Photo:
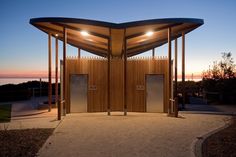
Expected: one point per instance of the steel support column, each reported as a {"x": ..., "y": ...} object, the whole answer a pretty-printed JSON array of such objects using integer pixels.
[
  {"x": 64, "y": 69},
  {"x": 49, "y": 73},
  {"x": 56, "y": 81},
  {"x": 108, "y": 75},
  {"x": 125, "y": 74},
  {"x": 176, "y": 66},
  {"x": 183, "y": 68},
  {"x": 78, "y": 52},
  {"x": 169, "y": 71},
  {"x": 153, "y": 53}
]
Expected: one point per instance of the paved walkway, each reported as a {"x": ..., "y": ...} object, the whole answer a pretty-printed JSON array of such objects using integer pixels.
[
  {"x": 138, "y": 134},
  {"x": 198, "y": 105},
  {"x": 25, "y": 115},
  {"x": 27, "y": 107},
  {"x": 135, "y": 135},
  {"x": 215, "y": 109},
  {"x": 39, "y": 120}
]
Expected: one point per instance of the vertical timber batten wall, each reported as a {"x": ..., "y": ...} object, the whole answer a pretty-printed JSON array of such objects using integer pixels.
[
  {"x": 137, "y": 69},
  {"x": 96, "y": 69},
  {"x": 117, "y": 84}
]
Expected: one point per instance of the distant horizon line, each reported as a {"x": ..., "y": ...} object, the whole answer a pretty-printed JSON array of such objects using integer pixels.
[
  {"x": 14, "y": 77},
  {"x": 44, "y": 75},
  {"x": 26, "y": 77},
  {"x": 187, "y": 76}
]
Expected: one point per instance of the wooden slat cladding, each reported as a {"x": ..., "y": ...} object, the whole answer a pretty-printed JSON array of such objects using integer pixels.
[
  {"x": 137, "y": 69},
  {"x": 117, "y": 85},
  {"x": 97, "y": 81}
]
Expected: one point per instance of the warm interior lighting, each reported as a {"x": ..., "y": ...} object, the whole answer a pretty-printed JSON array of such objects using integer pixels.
[
  {"x": 141, "y": 40},
  {"x": 150, "y": 33},
  {"x": 89, "y": 39},
  {"x": 56, "y": 35},
  {"x": 84, "y": 33}
]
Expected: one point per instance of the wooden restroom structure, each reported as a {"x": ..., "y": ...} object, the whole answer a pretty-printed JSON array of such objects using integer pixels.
[{"x": 116, "y": 80}]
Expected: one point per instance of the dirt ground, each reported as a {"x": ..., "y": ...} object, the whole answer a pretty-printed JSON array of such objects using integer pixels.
[
  {"x": 22, "y": 143},
  {"x": 222, "y": 143}
]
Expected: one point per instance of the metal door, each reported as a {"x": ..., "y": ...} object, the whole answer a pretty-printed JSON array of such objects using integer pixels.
[
  {"x": 154, "y": 93},
  {"x": 78, "y": 93}
]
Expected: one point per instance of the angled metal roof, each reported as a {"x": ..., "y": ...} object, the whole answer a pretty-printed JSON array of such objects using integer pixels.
[{"x": 98, "y": 33}]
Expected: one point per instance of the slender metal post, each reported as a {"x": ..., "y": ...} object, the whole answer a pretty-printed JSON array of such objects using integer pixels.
[
  {"x": 49, "y": 73},
  {"x": 40, "y": 87},
  {"x": 125, "y": 74},
  {"x": 78, "y": 52},
  {"x": 79, "y": 55},
  {"x": 64, "y": 69},
  {"x": 153, "y": 53},
  {"x": 56, "y": 81},
  {"x": 169, "y": 70},
  {"x": 176, "y": 65},
  {"x": 108, "y": 74},
  {"x": 183, "y": 68}
]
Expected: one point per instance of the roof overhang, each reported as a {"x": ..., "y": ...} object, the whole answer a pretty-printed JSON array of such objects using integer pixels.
[{"x": 94, "y": 36}]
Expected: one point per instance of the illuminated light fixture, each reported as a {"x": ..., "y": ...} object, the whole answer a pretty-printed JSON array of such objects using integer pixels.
[
  {"x": 89, "y": 39},
  {"x": 150, "y": 33},
  {"x": 56, "y": 35},
  {"x": 84, "y": 33}
]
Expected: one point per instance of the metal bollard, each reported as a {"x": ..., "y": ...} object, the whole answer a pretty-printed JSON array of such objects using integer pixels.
[{"x": 176, "y": 103}]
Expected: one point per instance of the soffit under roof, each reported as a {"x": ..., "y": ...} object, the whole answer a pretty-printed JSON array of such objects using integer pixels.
[{"x": 101, "y": 33}]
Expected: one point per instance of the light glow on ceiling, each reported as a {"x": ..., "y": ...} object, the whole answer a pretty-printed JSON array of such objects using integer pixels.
[
  {"x": 149, "y": 33},
  {"x": 141, "y": 40},
  {"x": 84, "y": 33},
  {"x": 56, "y": 35},
  {"x": 89, "y": 39}
]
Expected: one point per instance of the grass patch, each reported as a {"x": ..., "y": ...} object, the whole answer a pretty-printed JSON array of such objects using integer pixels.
[{"x": 5, "y": 113}]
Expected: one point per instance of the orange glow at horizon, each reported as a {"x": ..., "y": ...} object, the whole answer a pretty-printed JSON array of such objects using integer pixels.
[
  {"x": 25, "y": 74},
  {"x": 44, "y": 74}
]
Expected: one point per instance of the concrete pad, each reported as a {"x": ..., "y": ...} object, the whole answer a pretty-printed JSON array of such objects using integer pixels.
[
  {"x": 27, "y": 107},
  {"x": 230, "y": 109},
  {"x": 38, "y": 120},
  {"x": 210, "y": 109},
  {"x": 135, "y": 135},
  {"x": 25, "y": 115}
]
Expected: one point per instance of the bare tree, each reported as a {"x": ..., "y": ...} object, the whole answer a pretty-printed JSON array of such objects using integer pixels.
[{"x": 227, "y": 66}]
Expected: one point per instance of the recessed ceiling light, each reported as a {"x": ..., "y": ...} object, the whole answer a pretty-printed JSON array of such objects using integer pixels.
[
  {"x": 150, "y": 33},
  {"x": 84, "y": 33}
]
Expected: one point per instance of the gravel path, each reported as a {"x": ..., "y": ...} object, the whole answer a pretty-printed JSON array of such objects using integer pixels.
[{"x": 136, "y": 135}]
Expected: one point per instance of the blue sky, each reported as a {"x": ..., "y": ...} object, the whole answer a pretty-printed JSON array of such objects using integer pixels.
[{"x": 23, "y": 48}]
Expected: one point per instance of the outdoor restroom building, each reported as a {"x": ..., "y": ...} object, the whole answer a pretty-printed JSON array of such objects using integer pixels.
[{"x": 116, "y": 80}]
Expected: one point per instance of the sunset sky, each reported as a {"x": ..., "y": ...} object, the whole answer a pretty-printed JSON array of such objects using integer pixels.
[{"x": 23, "y": 48}]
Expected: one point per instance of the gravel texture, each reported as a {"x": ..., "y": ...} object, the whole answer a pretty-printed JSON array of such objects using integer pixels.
[
  {"x": 222, "y": 143},
  {"x": 135, "y": 135},
  {"x": 22, "y": 143}
]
